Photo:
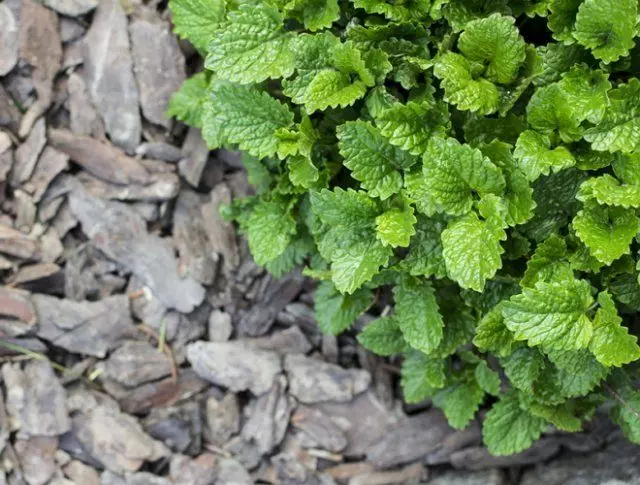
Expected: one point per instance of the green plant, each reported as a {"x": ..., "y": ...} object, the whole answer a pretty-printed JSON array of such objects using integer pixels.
[{"x": 469, "y": 168}]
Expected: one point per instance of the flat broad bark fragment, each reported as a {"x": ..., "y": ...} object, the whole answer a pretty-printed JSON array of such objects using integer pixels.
[
  {"x": 9, "y": 40},
  {"x": 109, "y": 74}
]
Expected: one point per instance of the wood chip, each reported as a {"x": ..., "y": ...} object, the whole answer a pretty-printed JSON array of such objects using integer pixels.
[
  {"x": 17, "y": 314},
  {"x": 27, "y": 154},
  {"x": 9, "y": 37}
]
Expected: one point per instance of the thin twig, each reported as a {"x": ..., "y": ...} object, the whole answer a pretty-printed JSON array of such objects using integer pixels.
[{"x": 166, "y": 349}]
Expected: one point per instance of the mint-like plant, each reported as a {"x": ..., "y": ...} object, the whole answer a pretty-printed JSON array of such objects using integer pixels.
[{"x": 469, "y": 169}]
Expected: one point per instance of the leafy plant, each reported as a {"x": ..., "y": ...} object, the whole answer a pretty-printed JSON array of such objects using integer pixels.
[{"x": 470, "y": 169}]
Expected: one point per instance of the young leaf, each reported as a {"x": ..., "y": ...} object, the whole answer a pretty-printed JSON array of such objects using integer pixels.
[
  {"x": 487, "y": 378},
  {"x": 421, "y": 376},
  {"x": 383, "y": 336},
  {"x": 187, "y": 104},
  {"x": 493, "y": 335},
  {"x": 612, "y": 344},
  {"x": 459, "y": 402},
  {"x": 535, "y": 157},
  {"x": 195, "y": 20},
  {"x": 395, "y": 227},
  {"x": 270, "y": 228},
  {"x": 336, "y": 312}
]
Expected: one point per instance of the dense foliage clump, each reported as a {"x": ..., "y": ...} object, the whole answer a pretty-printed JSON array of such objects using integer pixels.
[{"x": 469, "y": 168}]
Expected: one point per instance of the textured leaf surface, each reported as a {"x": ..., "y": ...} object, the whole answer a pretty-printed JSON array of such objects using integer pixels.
[
  {"x": 187, "y": 104},
  {"x": 460, "y": 402},
  {"x": 535, "y": 157},
  {"x": 269, "y": 230},
  {"x": 552, "y": 314},
  {"x": 421, "y": 376},
  {"x": 383, "y": 336},
  {"x": 395, "y": 227},
  {"x": 612, "y": 344},
  {"x": 336, "y": 312},
  {"x": 508, "y": 428},
  {"x": 425, "y": 249},
  {"x": 196, "y": 20}
]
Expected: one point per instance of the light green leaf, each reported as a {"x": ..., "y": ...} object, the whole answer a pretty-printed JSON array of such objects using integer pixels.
[
  {"x": 607, "y": 190},
  {"x": 187, "y": 104},
  {"x": 425, "y": 249},
  {"x": 523, "y": 368},
  {"x": 196, "y": 20},
  {"x": 333, "y": 89},
  {"x": 418, "y": 192},
  {"x": 550, "y": 111},
  {"x": 314, "y": 14},
  {"x": 395, "y": 227},
  {"x": 244, "y": 116},
  {"x": 383, "y": 337},
  {"x": 535, "y": 157},
  {"x": 410, "y": 126},
  {"x": 251, "y": 46},
  {"x": 586, "y": 91},
  {"x": 606, "y": 231},
  {"x": 417, "y": 314},
  {"x": 577, "y": 374},
  {"x": 494, "y": 42},
  {"x": 409, "y": 10},
  {"x": 487, "y": 378},
  {"x": 619, "y": 130},
  {"x": 563, "y": 18},
  {"x": 551, "y": 314},
  {"x": 336, "y": 312},
  {"x": 373, "y": 161},
  {"x": 612, "y": 344},
  {"x": 472, "y": 251},
  {"x": 561, "y": 416},
  {"x": 508, "y": 428},
  {"x": 557, "y": 59},
  {"x": 302, "y": 171},
  {"x": 454, "y": 172},
  {"x": 421, "y": 376},
  {"x": 270, "y": 228},
  {"x": 607, "y": 27},
  {"x": 459, "y": 402},
  {"x": 548, "y": 263},
  {"x": 462, "y": 88},
  {"x": 492, "y": 335}
]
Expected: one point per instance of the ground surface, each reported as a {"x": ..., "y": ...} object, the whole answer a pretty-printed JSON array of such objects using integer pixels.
[{"x": 140, "y": 344}]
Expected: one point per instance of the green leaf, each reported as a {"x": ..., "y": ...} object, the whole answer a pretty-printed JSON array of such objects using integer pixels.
[
  {"x": 270, "y": 228},
  {"x": 395, "y": 227},
  {"x": 425, "y": 249},
  {"x": 314, "y": 14},
  {"x": 619, "y": 130},
  {"x": 626, "y": 413},
  {"x": 563, "y": 18},
  {"x": 187, "y": 104},
  {"x": 523, "y": 368},
  {"x": 557, "y": 59},
  {"x": 493, "y": 335},
  {"x": 487, "y": 378},
  {"x": 494, "y": 42},
  {"x": 251, "y": 46},
  {"x": 418, "y": 192},
  {"x": 459, "y": 402},
  {"x": 551, "y": 314},
  {"x": 373, "y": 161},
  {"x": 302, "y": 171},
  {"x": 535, "y": 157},
  {"x": 548, "y": 263},
  {"x": 244, "y": 116},
  {"x": 383, "y": 337},
  {"x": 471, "y": 251},
  {"x": 612, "y": 344},
  {"x": 196, "y": 20},
  {"x": 350, "y": 243},
  {"x": 460, "y": 12},
  {"x": 561, "y": 416},
  {"x": 607, "y": 27},
  {"x": 421, "y": 376},
  {"x": 578, "y": 372},
  {"x": 409, "y": 10},
  {"x": 586, "y": 91},
  {"x": 336, "y": 312},
  {"x": 418, "y": 315},
  {"x": 626, "y": 290},
  {"x": 454, "y": 172},
  {"x": 292, "y": 257},
  {"x": 606, "y": 231},
  {"x": 333, "y": 89},
  {"x": 508, "y": 428},
  {"x": 549, "y": 111},
  {"x": 410, "y": 126}
]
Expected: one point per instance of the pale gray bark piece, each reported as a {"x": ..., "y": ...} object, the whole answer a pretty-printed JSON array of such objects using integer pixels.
[
  {"x": 109, "y": 74},
  {"x": 35, "y": 272},
  {"x": 162, "y": 187},
  {"x": 81, "y": 473},
  {"x": 186, "y": 471},
  {"x": 618, "y": 464},
  {"x": 159, "y": 67},
  {"x": 5, "y": 145},
  {"x": 16, "y": 244},
  {"x": 222, "y": 234},
  {"x": 486, "y": 477},
  {"x": 410, "y": 440},
  {"x": 121, "y": 234},
  {"x": 313, "y": 381},
  {"x": 478, "y": 457},
  {"x": 17, "y": 314},
  {"x": 83, "y": 117},
  {"x": 160, "y": 151},
  {"x": 408, "y": 474},
  {"x": 231, "y": 472},
  {"x": 72, "y": 8},
  {"x": 222, "y": 418},
  {"x": 36, "y": 457},
  {"x": 135, "y": 363},
  {"x": 178, "y": 427},
  {"x": 91, "y": 328},
  {"x": 320, "y": 428},
  {"x": 145, "y": 478},
  {"x": 41, "y": 47},
  {"x": 27, "y": 154},
  {"x": 50, "y": 164},
  {"x": 464, "y": 438},
  {"x": 70, "y": 29},
  {"x": 100, "y": 159},
  {"x": 220, "y": 328},
  {"x": 288, "y": 341},
  {"x": 269, "y": 418},
  {"x": 109, "y": 478},
  {"x": 35, "y": 399},
  {"x": 116, "y": 439},
  {"x": 196, "y": 154},
  {"x": 9, "y": 40},
  {"x": 234, "y": 365},
  {"x": 25, "y": 211}
]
